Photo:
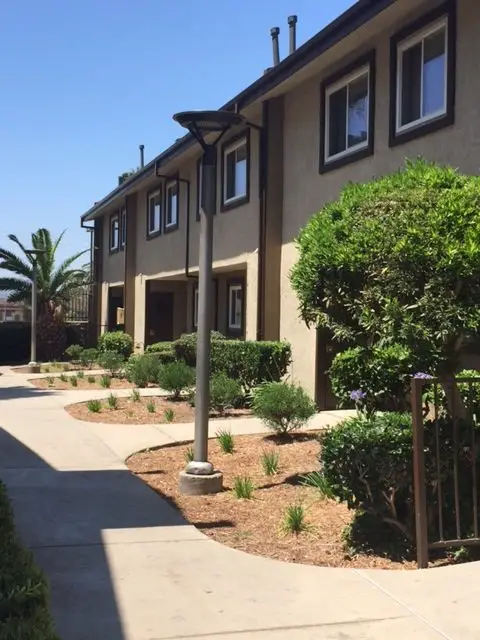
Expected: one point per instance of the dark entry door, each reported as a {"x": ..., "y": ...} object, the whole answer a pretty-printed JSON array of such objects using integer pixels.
[
  {"x": 159, "y": 317},
  {"x": 327, "y": 349},
  {"x": 114, "y": 301}
]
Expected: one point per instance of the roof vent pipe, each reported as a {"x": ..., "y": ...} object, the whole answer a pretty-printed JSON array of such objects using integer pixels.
[
  {"x": 274, "y": 31},
  {"x": 142, "y": 155},
  {"x": 292, "y": 23}
]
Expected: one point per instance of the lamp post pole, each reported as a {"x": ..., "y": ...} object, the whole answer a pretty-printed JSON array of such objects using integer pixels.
[{"x": 33, "y": 337}]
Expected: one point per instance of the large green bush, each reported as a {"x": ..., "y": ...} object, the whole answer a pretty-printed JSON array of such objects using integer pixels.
[
  {"x": 283, "y": 407},
  {"x": 24, "y": 592},
  {"x": 186, "y": 346},
  {"x": 367, "y": 463},
  {"x": 176, "y": 377},
  {"x": 117, "y": 341},
  {"x": 142, "y": 369},
  {"x": 111, "y": 361},
  {"x": 382, "y": 373},
  {"x": 225, "y": 393},
  {"x": 163, "y": 350}
]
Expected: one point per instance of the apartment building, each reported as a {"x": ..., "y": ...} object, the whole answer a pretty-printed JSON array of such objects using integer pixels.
[{"x": 386, "y": 81}]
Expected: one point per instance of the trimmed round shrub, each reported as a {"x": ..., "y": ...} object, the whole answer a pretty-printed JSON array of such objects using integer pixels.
[
  {"x": 225, "y": 393},
  {"x": 142, "y": 370},
  {"x": 283, "y": 407},
  {"x": 74, "y": 352},
  {"x": 176, "y": 377},
  {"x": 88, "y": 357},
  {"x": 117, "y": 341},
  {"x": 186, "y": 346},
  {"x": 112, "y": 362},
  {"x": 163, "y": 350}
]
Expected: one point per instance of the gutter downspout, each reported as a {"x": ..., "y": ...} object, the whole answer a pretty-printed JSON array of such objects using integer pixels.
[{"x": 262, "y": 177}]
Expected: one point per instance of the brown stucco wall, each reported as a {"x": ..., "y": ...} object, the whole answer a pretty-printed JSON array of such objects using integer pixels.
[{"x": 305, "y": 191}]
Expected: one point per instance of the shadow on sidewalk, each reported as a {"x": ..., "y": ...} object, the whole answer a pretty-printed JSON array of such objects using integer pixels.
[
  {"x": 17, "y": 393},
  {"x": 69, "y": 518}
]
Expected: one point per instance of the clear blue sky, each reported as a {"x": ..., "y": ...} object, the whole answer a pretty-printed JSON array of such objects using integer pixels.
[{"x": 84, "y": 82}]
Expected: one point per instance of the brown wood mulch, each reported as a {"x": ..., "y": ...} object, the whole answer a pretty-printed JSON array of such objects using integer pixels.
[
  {"x": 82, "y": 383},
  {"x": 255, "y": 525},
  {"x": 129, "y": 411}
]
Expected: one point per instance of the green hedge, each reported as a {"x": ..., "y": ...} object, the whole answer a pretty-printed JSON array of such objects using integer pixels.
[
  {"x": 164, "y": 350},
  {"x": 117, "y": 341},
  {"x": 24, "y": 591},
  {"x": 186, "y": 346}
]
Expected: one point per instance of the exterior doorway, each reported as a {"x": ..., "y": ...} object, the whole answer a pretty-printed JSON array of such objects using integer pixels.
[
  {"x": 158, "y": 316},
  {"x": 327, "y": 349}
]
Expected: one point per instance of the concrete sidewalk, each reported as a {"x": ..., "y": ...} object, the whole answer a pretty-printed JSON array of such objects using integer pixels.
[{"x": 123, "y": 565}]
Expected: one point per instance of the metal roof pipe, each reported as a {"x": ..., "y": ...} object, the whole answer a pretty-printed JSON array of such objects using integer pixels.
[
  {"x": 292, "y": 23},
  {"x": 274, "y": 31},
  {"x": 142, "y": 156}
]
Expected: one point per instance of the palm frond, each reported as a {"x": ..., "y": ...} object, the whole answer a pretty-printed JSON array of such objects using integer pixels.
[
  {"x": 11, "y": 262},
  {"x": 19, "y": 290},
  {"x": 13, "y": 238}
]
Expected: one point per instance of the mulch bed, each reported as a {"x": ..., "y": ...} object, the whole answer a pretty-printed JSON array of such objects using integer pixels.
[
  {"x": 82, "y": 383},
  {"x": 130, "y": 412},
  {"x": 255, "y": 526}
]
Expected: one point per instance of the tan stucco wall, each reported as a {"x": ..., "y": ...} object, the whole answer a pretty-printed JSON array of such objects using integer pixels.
[
  {"x": 113, "y": 266},
  {"x": 305, "y": 191}
]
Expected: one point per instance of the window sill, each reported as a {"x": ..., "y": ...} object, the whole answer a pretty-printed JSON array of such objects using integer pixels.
[
  {"x": 154, "y": 234},
  {"x": 422, "y": 129},
  {"x": 113, "y": 250},
  {"x": 234, "y": 203},
  {"x": 348, "y": 158},
  {"x": 235, "y": 333},
  {"x": 171, "y": 227}
]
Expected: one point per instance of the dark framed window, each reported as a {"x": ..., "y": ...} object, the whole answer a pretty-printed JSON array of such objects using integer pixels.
[
  {"x": 348, "y": 114},
  {"x": 114, "y": 233},
  {"x": 123, "y": 227},
  {"x": 154, "y": 213},
  {"x": 423, "y": 75},
  {"x": 199, "y": 187},
  {"x": 236, "y": 171},
  {"x": 236, "y": 307},
  {"x": 171, "y": 205},
  {"x": 195, "y": 307}
]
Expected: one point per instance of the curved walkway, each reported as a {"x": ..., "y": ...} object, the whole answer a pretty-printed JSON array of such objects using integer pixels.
[{"x": 123, "y": 565}]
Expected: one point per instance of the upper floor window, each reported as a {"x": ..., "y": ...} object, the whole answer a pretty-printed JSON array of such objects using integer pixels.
[
  {"x": 348, "y": 114},
  {"x": 171, "y": 218},
  {"x": 123, "y": 227},
  {"x": 423, "y": 68},
  {"x": 235, "y": 307},
  {"x": 195, "y": 307},
  {"x": 154, "y": 212},
  {"x": 235, "y": 172},
  {"x": 114, "y": 239}
]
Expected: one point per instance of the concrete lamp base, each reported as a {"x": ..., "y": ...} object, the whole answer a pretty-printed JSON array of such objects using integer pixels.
[
  {"x": 33, "y": 367},
  {"x": 200, "y": 485}
]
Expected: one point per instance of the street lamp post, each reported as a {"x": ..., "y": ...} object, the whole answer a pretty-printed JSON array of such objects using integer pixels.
[
  {"x": 33, "y": 365},
  {"x": 199, "y": 476}
]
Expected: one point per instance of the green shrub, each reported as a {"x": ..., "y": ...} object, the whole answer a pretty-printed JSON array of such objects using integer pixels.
[
  {"x": 294, "y": 519},
  {"x": 367, "y": 463},
  {"x": 317, "y": 480},
  {"x": 382, "y": 373},
  {"x": 63, "y": 378},
  {"x": 95, "y": 406},
  {"x": 176, "y": 377},
  {"x": 116, "y": 341},
  {"x": 105, "y": 381},
  {"x": 135, "y": 395},
  {"x": 24, "y": 592},
  {"x": 50, "y": 381},
  {"x": 282, "y": 406},
  {"x": 74, "y": 351},
  {"x": 151, "y": 406},
  {"x": 142, "y": 370},
  {"x": 226, "y": 441},
  {"x": 163, "y": 350},
  {"x": 224, "y": 392},
  {"x": 112, "y": 362},
  {"x": 243, "y": 487},
  {"x": 88, "y": 357},
  {"x": 112, "y": 401},
  {"x": 169, "y": 415},
  {"x": 270, "y": 462},
  {"x": 80, "y": 375},
  {"x": 91, "y": 380},
  {"x": 185, "y": 347},
  {"x": 74, "y": 381},
  {"x": 189, "y": 455}
]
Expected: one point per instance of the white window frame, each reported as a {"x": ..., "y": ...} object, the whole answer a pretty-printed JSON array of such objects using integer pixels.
[
  {"x": 123, "y": 227},
  {"x": 195, "y": 307},
  {"x": 408, "y": 43},
  {"x": 114, "y": 243},
  {"x": 173, "y": 222},
  {"x": 152, "y": 196},
  {"x": 345, "y": 82},
  {"x": 233, "y": 288},
  {"x": 229, "y": 149}
]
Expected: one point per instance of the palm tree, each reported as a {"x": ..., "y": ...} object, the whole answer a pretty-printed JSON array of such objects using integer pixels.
[{"x": 56, "y": 285}]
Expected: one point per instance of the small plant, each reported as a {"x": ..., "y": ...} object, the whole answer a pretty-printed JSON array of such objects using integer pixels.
[
  {"x": 95, "y": 406},
  {"x": 189, "y": 455},
  {"x": 176, "y": 377},
  {"x": 116, "y": 341},
  {"x": 226, "y": 441},
  {"x": 111, "y": 361},
  {"x": 142, "y": 369},
  {"x": 151, "y": 407},
  {"x": 80, "y": 375},
  {"x": 105, "y": 381},
  {"x": 243, "y": 488},
  {"x": 50, "y": 381},
  {"x": 91, "y": 380},
  {"x": 270, "y": 462},
  {"x": 317, "y": 480},
  {"x": 135, "y": 395},
  {"x": 169, "y": 415},
  {"x": 63, "y": 377},
  {"x": 224, "y": 392},
  {"x": 294, "y": 519},
  {"x": 46, "y": 369},
  {"x": 282, "y": 406},
  {"x": 112, "y": 401},
  {"x": 74, "y": 351},
  {"x": 88, "y": 357},
  {"x": 74, "y": 381}
]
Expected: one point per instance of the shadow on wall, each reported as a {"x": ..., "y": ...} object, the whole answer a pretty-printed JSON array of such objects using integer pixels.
[{"x": 64, "y": 516}]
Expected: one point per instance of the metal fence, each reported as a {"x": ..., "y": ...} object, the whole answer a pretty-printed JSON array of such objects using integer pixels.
[
  {"x": 446, "y": 454},
  {"x": 78, "y": 308}
]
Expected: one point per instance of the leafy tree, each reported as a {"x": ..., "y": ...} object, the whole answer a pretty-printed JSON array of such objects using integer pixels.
[
  {"x": 397, "y": 260},
  {"x": 57, "y": 284}
]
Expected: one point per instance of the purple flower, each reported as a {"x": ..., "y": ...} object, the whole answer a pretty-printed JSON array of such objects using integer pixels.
[
  {"x": 358, "y": 395},
  {"x": 422, "y": 376}
]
